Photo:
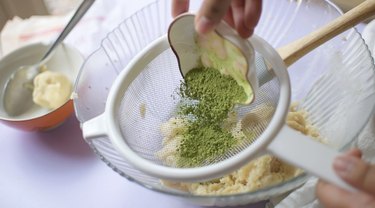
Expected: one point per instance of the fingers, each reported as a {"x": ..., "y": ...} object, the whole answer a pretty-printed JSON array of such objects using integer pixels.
[
  {"x": 243, "y": 15},
  {"x": 354, "y": 152},
  {"x": 356, "y": 171},
  {"x": 210, "y": 14},
  {"x": 246, "y": 15},
  {"x": 179, "y": 7},
  {"x": 253, "y": 10},
  {"x": 331, "y": 197},
  {"x": 238, "y": 8},
  {"x": 229, "y": 18}
]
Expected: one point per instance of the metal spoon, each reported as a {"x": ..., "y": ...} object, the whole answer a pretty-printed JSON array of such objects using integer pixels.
[{"x": 19, "y": 88}]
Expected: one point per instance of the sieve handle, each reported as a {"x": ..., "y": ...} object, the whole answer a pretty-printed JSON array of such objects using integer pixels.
[
  {"x": 94, "y": 128},
  {"x": 312, "y": 156}
]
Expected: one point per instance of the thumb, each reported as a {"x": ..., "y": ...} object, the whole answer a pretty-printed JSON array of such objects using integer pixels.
[
  {"x": 179, "y": 7},
  {"x": 210, "y": 14},
  {"x": 356, "y": 172}
]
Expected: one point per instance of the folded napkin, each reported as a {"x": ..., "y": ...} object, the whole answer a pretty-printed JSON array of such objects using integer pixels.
[{"x": 304, "y": 197}]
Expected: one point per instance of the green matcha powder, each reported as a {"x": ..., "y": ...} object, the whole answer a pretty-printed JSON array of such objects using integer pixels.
[{"x": 208, "y": 97}]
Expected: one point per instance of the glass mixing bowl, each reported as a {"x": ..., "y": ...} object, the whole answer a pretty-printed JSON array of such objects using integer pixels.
[{"x": 282, "y": 22}]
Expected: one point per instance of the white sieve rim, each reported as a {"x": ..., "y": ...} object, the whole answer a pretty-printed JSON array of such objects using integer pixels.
[{"x": 109, "y": 127}]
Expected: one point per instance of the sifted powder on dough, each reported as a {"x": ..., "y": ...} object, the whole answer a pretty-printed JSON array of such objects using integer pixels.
[{"x": 259, "y": 173}]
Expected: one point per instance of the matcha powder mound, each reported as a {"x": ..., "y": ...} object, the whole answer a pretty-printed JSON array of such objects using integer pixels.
[{"x": 208, "y": 97}]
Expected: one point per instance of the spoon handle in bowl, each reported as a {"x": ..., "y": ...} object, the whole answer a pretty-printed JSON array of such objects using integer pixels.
[
  {"x": 85, "y": 5},
  {"x": 297, "y": 49}
]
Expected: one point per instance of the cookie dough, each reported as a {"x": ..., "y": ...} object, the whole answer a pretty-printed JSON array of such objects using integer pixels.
[{"x": 259, "y": 173}]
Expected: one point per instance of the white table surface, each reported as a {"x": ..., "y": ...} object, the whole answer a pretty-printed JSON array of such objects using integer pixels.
[{"x": 58, "y": 169}]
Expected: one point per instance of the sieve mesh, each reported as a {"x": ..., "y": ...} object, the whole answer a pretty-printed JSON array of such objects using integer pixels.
[{"x": 151, "y": 100}]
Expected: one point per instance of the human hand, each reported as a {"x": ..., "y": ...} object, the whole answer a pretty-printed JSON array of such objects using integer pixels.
[
  {"x": 356, "y": 172},
  {"x": 242, "y": 15}
]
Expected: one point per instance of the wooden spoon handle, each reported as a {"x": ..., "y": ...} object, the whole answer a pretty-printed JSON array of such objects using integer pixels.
[{"x": 297, "y": 49}]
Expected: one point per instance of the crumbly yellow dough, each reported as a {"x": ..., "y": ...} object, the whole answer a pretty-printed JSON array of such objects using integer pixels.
[
  {"x": 264, "y": 171},
  {"x": 51, "y": 89}
]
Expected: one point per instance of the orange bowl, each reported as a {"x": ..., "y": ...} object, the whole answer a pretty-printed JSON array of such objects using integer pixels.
[{"x": 66, "y": 60}]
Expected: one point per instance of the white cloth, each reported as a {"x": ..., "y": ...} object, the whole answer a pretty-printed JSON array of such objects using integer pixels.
[
  {"x": 304, "y": 197},
  {"x": 100, "y": 19}
]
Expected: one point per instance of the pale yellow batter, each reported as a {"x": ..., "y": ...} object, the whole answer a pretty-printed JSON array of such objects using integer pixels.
[{"x": 51, "y": 89}]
